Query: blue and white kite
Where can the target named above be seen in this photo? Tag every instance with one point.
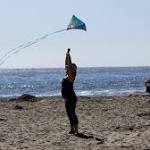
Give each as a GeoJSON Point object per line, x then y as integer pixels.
{"type": "Point", "coordinates": [75, 23]}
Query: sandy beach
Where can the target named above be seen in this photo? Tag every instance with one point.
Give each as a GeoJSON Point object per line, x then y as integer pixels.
{"type": "Point", "coordinates": [106, 123]}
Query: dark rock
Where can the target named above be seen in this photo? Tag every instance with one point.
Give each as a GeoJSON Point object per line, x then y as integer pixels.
{"type": "Point", "coordinates": [26, 97]}
{"type": "Point", "coordinates": [104, 109]}
{"type": "Point", "coordinates": [12, 99]}
{"type": "Point", "coordinates": [118, 127]}
{"type": "Point", "coordinates": [143, 114]}
{"type": "Point", "coordinates": [2, 140]}
{"type": "Point", "coordinates": [100, 141]}
{"type": "Point", "coordinates": [124, 128]}
{"type": "Point", "coordinates": [2, 119]}
{"type": "Point", "coordinates": [131, 128]}
{"type": "Point", "coordinates": [18, 107]}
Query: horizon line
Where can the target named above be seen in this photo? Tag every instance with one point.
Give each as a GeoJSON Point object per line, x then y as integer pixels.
{"type": "Point", "coordinates": [17, 68]}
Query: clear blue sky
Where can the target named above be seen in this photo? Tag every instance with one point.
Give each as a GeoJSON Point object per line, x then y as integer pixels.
{"type": "Point", "coordinates": [118, 32]}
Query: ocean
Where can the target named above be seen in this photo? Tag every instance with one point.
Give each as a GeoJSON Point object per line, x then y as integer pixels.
{"type": "Point", "coordinates": [98, 81]}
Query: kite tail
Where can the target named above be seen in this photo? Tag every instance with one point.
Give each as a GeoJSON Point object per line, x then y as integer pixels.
{"type": "Point", "coordinates": [25, 45]}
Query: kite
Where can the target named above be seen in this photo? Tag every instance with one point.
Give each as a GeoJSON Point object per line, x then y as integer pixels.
{"type": "Point", "coordinates": [75, 23]}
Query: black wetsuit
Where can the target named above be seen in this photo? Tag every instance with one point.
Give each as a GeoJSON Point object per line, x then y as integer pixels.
{"type": "Point", "coordinates": [70, 100]}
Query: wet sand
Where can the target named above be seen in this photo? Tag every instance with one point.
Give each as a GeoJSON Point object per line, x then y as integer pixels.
{"type": "Point", "coordinates": [106, 123]}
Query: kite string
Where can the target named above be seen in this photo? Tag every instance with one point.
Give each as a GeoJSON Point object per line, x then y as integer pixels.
{"type": "Point", "coordinates": [23, 46]}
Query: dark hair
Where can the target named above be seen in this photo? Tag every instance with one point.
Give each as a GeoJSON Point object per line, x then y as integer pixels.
{"type": "Point", "coordinates": [73, 64]}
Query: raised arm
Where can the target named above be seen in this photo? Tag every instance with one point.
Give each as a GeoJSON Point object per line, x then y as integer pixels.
{"type": "Point", "coordinates": [68, 59]}
{"type": "Point", "coordinates": [70, 67]}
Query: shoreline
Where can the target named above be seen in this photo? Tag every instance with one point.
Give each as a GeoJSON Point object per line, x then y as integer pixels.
{"type": "Point", "coordinates": [137, 93]}
{"type": "Point", "coordinates": [107, 123]}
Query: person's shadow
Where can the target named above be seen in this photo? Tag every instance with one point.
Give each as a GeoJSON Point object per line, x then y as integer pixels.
{"type": "Point", "coordinates": [82, 135]}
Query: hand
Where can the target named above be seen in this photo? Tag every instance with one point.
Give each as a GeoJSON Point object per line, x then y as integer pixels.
{"type": "Point", "coordinates": [68, 50]}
